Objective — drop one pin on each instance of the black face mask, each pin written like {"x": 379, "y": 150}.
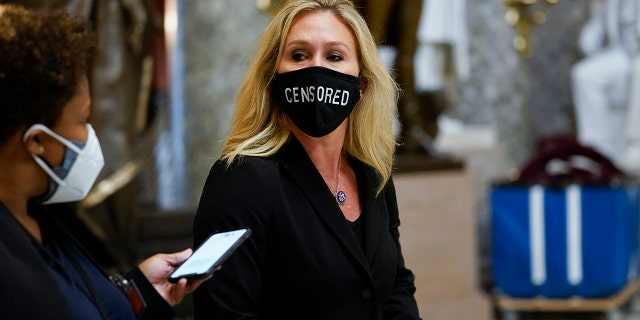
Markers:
{"x": 316, "y": 99}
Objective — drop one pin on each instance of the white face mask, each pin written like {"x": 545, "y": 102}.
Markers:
{"x": 83, "y": 172}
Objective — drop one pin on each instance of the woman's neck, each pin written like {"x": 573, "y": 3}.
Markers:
{"x": 18, "y": 208}
{"x": 324, "y": 151}
{"x": 13, "y": 183}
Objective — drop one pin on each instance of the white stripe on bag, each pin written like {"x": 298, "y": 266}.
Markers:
{"x": 574, "y": 235}
{"x": 536, "y": 231}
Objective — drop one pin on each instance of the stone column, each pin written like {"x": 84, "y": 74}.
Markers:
{"x": 496, "y": 93}
{"x": 554, "y": 51}
{"x": 216, "y": 42}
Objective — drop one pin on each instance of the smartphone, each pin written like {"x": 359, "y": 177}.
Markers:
{"x": 210, "y": 255}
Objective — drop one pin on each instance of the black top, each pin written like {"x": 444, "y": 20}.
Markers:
{"x": 302, "y": 260}
{"x": 356, "y": 228}
{"x": 83, "y": 285}
{"x": 43, "y": 282}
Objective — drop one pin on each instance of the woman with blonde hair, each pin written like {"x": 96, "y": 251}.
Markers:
{"x": 307, "y": 167}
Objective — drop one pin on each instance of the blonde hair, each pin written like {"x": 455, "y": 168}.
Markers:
{"x": 259, "y": 128}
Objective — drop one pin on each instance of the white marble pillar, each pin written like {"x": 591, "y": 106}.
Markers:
{"x": 214, "y": 45}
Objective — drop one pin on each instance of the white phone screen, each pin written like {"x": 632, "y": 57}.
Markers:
{"x": 210, "y": 254}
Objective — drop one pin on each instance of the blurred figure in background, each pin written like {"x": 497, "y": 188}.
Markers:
{"x": 424, "y": 43}
{"x": 601, "y": 81}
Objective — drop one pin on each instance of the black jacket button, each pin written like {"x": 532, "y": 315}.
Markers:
{"x": 366, "y": 294}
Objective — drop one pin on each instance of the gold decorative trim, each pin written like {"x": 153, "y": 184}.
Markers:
{"x": 523, "y": 15}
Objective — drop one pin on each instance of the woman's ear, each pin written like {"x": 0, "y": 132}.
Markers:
{"x": 32, "y": 142}
{"x": 363, "y": 85}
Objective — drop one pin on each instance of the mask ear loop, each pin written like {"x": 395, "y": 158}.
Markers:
{"x": 48, "y": 170}
{"x": 58, "y": 137}
{"x": 41, "y": 162}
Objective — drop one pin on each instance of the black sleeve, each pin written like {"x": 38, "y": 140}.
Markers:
{"x": 400, "y": 303}
{"x": 155, "y": 307}
{"x": 234, "y": 198}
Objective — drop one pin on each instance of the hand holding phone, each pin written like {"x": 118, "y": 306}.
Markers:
{"x": 210, "y": 255}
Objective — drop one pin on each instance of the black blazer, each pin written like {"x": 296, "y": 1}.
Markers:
{"x": 28, "y": 289}
{"x": 302, "y": 261}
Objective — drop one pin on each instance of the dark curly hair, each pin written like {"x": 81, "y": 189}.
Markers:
{"x": 43, "y": 56}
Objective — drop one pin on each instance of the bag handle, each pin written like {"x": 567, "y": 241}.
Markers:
{"x": 562, "y": 159}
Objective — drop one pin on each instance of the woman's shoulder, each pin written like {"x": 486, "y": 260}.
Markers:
{"x": 245, "y": 163}
{"x": 228, "y": 186}
{"x": 244, "y": 169}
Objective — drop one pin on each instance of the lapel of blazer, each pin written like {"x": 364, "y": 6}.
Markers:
{"x": 296, "y": 162}
{"x": 372, "y": 207}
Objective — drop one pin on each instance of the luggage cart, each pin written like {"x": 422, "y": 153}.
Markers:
{"x": 564, "y": 242}
{"x": 609, "y": 308}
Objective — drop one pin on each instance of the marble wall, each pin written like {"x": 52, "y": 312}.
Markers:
{"x": 555, "y": 50}
{"x": 523, "y": 98}
{"x": 219, "y": 45}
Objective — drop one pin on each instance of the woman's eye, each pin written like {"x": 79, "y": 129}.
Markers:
{"x": 298, "y": 56}
{"x": 334, "y": 57}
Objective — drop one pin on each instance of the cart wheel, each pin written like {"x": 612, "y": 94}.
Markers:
{"x": 511, "y": 315}
{"x": 614, "y": 314}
